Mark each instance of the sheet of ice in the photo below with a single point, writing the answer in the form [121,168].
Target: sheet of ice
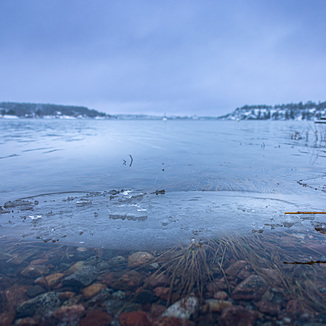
[137,220]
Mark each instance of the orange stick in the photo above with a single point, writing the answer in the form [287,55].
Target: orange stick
[305,213]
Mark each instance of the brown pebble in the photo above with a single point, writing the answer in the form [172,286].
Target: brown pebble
[220,295]
[139,258]
[135,318]
[92,290]
[96,317]
[63,296]
[69,314]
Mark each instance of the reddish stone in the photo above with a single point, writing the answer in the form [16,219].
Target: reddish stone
[235,268]
[139,258]
[237,315]
[157,310]
[66,295]
[123,282]
[69,314]
[51,280]
[7,318]
[220,295]
[268,307]
[135,318]
[157,280]
[35,270]
[96,317]
[162,292]
[294,307]
[172,321]
[39,261]
[29,321]
[252,288]
[15,295]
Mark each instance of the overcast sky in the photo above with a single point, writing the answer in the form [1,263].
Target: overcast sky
[160,56]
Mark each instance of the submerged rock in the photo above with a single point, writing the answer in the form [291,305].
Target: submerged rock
[139,258]
[81,278]
[69,314]
[183,308]
[41,304]
[252,288]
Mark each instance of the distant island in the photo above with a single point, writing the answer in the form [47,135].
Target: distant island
[290,111]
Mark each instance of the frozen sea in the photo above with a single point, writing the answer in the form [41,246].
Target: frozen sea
[154,184]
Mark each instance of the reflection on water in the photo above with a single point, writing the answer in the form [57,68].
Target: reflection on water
[109,221]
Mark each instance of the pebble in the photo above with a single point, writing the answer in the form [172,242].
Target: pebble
[69,314]
[38,305]
[96,317]
[35,271]
[135,318]
[216,305]
[139,258]
[51,280]
[83,277]
[235,268]
[252,288]
[92,290]
[220,295]
[237,315]
[183,308]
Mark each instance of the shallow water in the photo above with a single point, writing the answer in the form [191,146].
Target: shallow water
[152,184]
[80,197]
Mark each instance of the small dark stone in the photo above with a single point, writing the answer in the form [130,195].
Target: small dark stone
[144,297]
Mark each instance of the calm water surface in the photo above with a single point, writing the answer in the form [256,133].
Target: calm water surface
[101,182]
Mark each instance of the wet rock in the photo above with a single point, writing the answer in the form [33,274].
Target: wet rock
[135,318]
[63,296]
[35,271]
[294,307]
[139,258]
[157,310]
[162,292]
[220,295]
[83,277]
[144,297]
[157,280]
[28,321]
[69,314]
[183,308]
[92,290]
[114,306]
[75,267]
[252,288]
[268,307]
[118,261]
[216,305]
[102,296]
[216,285]
[15,294]
[7,318]
[237,315]
[172,321]
[35,290]
[125,281]
[272,275]
[38,305]
[96,317]
[51,280]
[235,268]
[119,295]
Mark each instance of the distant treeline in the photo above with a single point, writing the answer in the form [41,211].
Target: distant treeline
[288,106]
[35,110]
